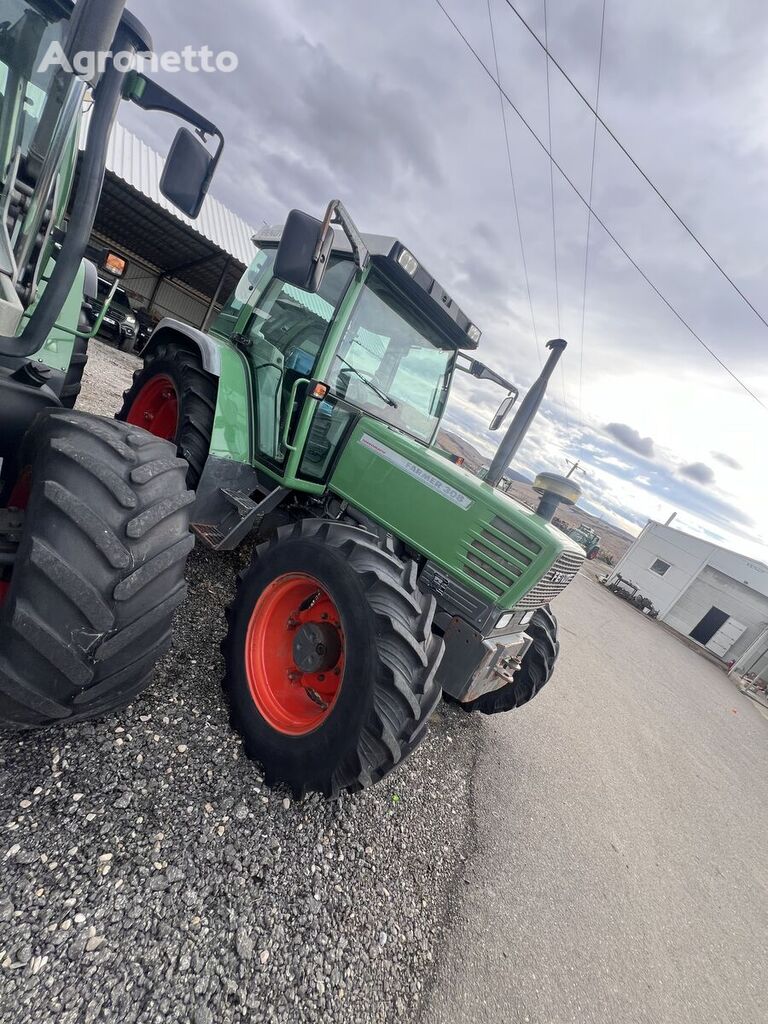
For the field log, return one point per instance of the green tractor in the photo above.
(586, 538)
(94, 514)
(386, 575)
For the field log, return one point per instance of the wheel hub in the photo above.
(316, 647)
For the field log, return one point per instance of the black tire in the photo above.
(388, 689)
(196, 393)
(535, 671)
(99, 570)
(73, 381)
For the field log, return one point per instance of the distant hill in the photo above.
(473, 459)
(456, 445)
(514, 474)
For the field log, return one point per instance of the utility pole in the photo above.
(574, 466)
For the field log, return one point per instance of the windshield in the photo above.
(25, 37)
(255, 275)
(392, 363)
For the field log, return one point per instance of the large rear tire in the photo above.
(327, 587)
(99, 570)
(174, 398)
(534, 673)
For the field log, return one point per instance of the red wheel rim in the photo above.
(290, 698)
(156, 408)
(19, 499)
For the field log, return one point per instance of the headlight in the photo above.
(408, 262)
(131, 321)
(506, 620)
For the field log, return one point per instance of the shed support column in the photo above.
(217, 293)
(155, 289)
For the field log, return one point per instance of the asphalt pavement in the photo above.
(620, 867)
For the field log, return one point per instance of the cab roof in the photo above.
(386, 254)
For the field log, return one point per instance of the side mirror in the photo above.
(189, 167)
(502, 411)
(302, 256)
(187, 173)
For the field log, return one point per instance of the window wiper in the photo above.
(377, 390)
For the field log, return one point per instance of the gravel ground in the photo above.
(146, 874)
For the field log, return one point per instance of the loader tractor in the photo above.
(94, 513)
(385, 574)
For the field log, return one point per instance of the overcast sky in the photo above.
(381, 104)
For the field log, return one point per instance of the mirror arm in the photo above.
(482, 372)
(337, 213)
(150, 96)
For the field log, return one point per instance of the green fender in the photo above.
(231, 437)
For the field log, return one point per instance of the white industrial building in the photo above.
(715, 597)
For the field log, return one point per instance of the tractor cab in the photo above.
(376, 336)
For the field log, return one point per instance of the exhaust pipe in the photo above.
(529, 406)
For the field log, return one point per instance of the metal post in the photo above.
(518, 428)
(216, 294)
(162, 276)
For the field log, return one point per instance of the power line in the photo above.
(514, 187)
(554, 222)
(599, 220)
(678, 217)
(552, 175)
(589, 212)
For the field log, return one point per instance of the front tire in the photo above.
(174, 398)
(534, 673)
(349, 722)
(99, 569)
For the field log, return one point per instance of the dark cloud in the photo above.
(631, 439)
(727, 460)
(699, 472)
(382, 106)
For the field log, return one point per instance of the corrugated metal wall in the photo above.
(171, 300)
(135, 163)
(713, 588)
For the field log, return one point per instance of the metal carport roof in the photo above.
(207, 255)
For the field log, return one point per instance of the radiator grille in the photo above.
(554, 582)
(498, 555)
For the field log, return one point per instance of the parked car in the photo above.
(120, 324)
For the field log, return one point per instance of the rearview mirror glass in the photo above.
(501, 412)
(187, 174)
(302, 256)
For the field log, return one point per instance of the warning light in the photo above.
(319, 390)
(115, 264)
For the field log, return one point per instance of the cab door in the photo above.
(283, 338)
